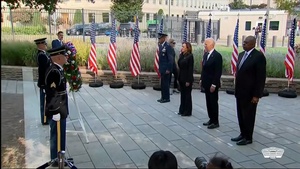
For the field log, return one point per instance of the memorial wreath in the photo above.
(71, 69)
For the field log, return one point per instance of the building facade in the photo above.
(248, 20)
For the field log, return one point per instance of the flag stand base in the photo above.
(138, 86)
(116, 84)
(230, 91)
(265, 93)
(157, 87)
(288, 93)
(96, 83)
(80, 120)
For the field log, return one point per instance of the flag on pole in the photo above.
(208, 30)
(112, 51)
(290, 56)
(263, 38)
(235, 52)
(92, 61)
(156, 61)
(135, 66)
(184, 38)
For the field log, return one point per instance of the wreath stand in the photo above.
(80, 120)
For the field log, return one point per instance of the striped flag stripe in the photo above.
(290, 56)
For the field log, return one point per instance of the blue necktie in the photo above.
(243, 59)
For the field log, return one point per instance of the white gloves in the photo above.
(56, 117)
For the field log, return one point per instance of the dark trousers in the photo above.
(185, 99)
(175, 73)
(57, 137)
(212, 105)
(165, 86)
(246, 112)
(44, 119)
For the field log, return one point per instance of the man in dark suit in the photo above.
(59, 41)
(211, 81)
(165, 67)
(249, 86)
(43, 62)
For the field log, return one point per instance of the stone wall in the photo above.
(273, 85)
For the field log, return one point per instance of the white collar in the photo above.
(249, 51)
(42, 50)
(211, 51)
(59, 65)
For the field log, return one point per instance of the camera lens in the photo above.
(200, 162)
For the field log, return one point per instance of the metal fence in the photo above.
(26, 24)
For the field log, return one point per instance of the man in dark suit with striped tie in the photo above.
(249, 86)
(59, 41)
(211, 81)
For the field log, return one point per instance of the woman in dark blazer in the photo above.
(186, 79)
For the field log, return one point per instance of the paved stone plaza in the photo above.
(125, 126)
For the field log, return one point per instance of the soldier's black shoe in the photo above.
(165, 100)
(44, 124)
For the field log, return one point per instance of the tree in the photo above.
(47, 5)
(23, 16)
(160, 12)
(125, 10)
(287, 5)
(238, 4)
(77, 16)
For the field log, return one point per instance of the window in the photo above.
(77, 0)
(172, 2)
(147, 16)
(248, 25)
(155, 16)
(274, 25)
(182, 3)
(160, 2)
(177, 2)
(91, 17)
(147, 1)
(187, 3)
(166, 2)
(154, 1)
(105, 17)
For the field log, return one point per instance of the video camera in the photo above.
(200, 163)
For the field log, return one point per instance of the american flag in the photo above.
(92, 61)
(135, 66)
(263, 38)
(184, 39)
(235, 52)
(208, 30)
(112, 51)
(156, 61)
(290, 56)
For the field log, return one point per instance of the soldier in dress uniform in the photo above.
(56, 101)
(166, 61)
(43, 62)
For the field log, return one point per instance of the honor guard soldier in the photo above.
(165, 54)
(56, 101)
(43, 63)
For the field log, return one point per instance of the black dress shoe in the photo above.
(238, 138)
(44, 124)
(212, 126)
(186, 114)
(179, 113)
(159, 100)
(207, 123)
(243, 142)
(165, 101)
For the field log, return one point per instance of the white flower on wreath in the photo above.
(73, 62)
(69, 52)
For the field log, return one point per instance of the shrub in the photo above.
(22, 53)
(26, 30)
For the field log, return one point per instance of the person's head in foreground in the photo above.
(218, 162)
(162, 160)
(57, 55)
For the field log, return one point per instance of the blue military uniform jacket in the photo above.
(56, 100)
(166, 59)
(43, 62)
